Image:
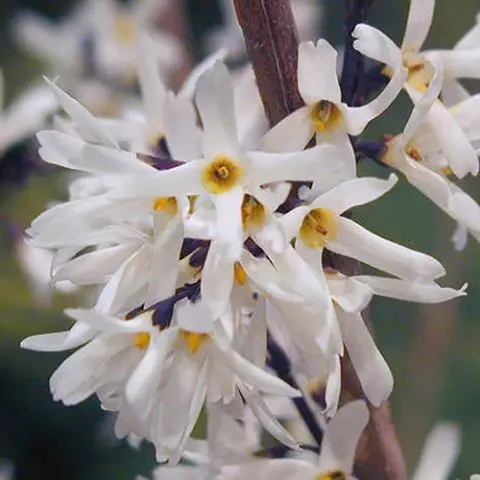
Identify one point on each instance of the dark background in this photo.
(433, 350)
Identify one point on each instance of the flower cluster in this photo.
(209, 236)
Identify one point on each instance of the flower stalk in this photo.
(272, 44)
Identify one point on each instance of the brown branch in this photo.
(272, 44)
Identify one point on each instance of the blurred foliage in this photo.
(433, 350)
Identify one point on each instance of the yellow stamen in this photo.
(193, 340)
(165, 204)
(239, 274)
(191, 203)
(415, 154)
(221, 174)
(125, 31)
(253, 213)
(141, 340)
(447, 171)
(333, 475)
(319, 227)
(325, 116)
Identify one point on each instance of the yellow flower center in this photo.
(325, 116)
(319, 227)
(141, 340)
(253, 213)
(125, 31)
(221, 174)
(165, 204)
(333, 475)
(193, 340)
(415, 154)
(239, 274)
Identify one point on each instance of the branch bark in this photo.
(272, 44)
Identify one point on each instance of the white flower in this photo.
(192, 361)
(27, 113)
(325, 116)
(336, 455)
(439, 454)
(435, 141)
(99, 35)
(320, 225)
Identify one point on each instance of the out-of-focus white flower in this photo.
(336, 455)
(307, 15)
(25, 115)
(439, 454)
(325, 116)
(99, 38)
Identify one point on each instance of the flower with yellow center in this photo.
(319, 227)
(193, 340)
(325, 116)
(221, 174)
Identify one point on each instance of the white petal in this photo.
(354, 192)
(165, 261)
(410, 291)
(352, 295)
(460, 63)
(251, 374)
(419, 21)
(371, 368)
(373, 43)
(57, 342)
(141, 387)
(181, 131)
(460, 237)
(317, 72)
(440, 453)
(298, 166)
(217, 280)
(292, 134)
(215, 104)
(267, 419)
(357, 242)
(81, 115)
(108, 323)
(229, 233)
(333, 387)
(194, 317)
(151, 85)
(341, 437)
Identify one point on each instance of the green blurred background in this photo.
(433, 350)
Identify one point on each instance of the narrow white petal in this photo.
(215, 104)
(165, 261)
(298, 166)
(354, 192)
(341, 437)
(317, 72)
(81, 115)
(410, 291)
(292, 134)
(352, 295)
(333, 388)
(108, 323)
(56, 342)
(151, 85)
(419, 21)
(267, 419)
(194, 317)
(141, 387)
(181, 131)
(440, 453)
(217, 280)
(461, 63)
(357, 242)
(371, 368)
(251, 374)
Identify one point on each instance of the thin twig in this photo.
(279, 362)
(272, 44)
